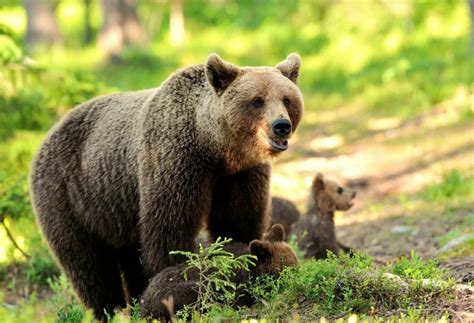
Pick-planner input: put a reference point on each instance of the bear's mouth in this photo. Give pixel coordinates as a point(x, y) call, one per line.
point(344, 206)
point(279, 145)
point(347, 206)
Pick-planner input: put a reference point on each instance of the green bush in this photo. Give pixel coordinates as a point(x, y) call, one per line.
point(215, 268)
point(14, 200)
point(33, 97)
point(67, 308)
point(454, 184)
point(415, 268)
point(342, 285)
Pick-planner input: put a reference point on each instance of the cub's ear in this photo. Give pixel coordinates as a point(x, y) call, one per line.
point(276, 233)
point(261, 249)
point(219, 73)
point(318, 182)
point(290, 67)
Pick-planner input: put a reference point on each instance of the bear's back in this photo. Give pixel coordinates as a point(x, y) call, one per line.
point(93, 152)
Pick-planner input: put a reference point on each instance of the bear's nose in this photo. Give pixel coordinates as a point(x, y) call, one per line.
point(281, 127)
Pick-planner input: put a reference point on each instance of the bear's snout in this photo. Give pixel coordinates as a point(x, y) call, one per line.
point(281, 127)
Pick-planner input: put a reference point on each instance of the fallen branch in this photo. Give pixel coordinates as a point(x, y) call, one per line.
point(13, 241)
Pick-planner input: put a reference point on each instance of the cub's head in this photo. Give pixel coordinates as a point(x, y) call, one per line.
point(273, 252)
point(329, 196)
point(261, 107)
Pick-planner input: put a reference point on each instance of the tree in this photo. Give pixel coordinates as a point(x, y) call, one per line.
point(87, 22)
point(42, 26)
point(176, 22)
point(120, 26)
point(471, 10)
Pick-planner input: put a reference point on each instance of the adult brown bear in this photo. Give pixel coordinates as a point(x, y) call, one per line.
point(124, 179)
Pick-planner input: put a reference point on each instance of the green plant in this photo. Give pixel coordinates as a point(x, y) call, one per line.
point(215, 268)
point(63, 301)
point(454, 184)
point(339, 286)
point(14, 204)
point(135, 311)
point(414, 267)
point(41, 267)
point(32, 96)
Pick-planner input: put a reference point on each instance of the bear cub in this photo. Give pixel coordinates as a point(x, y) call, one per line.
point(273, 255)
point(316, 231)
point(285, 213)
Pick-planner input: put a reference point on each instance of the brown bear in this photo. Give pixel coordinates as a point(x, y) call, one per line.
point(316, 231)
point(283, 211)
point(273, 255)
point(126, 178)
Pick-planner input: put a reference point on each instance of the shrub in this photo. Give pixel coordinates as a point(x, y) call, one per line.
point(215, 268)
point(454, 184)
point(342, 285)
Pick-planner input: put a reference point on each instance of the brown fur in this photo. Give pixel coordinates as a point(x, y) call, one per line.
point(273, 255)
point(126, 178)
point(316, 231)
point(284, 212)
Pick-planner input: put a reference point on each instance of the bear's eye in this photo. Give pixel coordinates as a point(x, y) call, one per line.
point(340, 190)
point(258, 102)
point(286, 101)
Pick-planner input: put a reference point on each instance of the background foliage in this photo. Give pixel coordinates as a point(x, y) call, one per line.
point(392, 73)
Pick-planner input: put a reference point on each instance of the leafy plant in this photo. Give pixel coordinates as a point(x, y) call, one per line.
point(215, 268)
point(454, 184)
point(341, 285)
point(63, 301)
point(415, 268)
point(14, 204)
point(32, 96)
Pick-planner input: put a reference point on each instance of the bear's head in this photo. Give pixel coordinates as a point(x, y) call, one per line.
point(329, 196)
point(259, 107)
point(273, 253)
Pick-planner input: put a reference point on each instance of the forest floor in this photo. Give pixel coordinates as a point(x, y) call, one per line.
point(392, 166)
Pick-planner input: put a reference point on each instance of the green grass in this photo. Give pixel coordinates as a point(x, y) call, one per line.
point(415, 268)
point(454, 185)
point(332, 288)
point(341, 286)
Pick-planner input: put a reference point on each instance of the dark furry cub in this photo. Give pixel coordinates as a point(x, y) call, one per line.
point(273, 254)
point(285, 213)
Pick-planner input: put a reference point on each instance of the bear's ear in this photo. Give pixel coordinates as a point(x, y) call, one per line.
point(261, 249)
point(276, 234)
point(219, 73)
point(318, 182)
point(290, 67)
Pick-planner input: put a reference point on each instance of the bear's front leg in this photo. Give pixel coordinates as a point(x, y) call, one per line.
point(240, 205)
point(173, 203)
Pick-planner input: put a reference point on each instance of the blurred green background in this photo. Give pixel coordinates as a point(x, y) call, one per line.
point(388, 89)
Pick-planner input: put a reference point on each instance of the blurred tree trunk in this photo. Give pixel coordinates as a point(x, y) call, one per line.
point(471, 9)
point(176, 22)
point(120, 26)
point(87, 22)
point(42, 25)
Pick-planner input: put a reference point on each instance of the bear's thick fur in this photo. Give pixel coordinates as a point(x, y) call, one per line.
point(273, 255)
point(316, 232)
point(126, 178)
point(283, 211)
